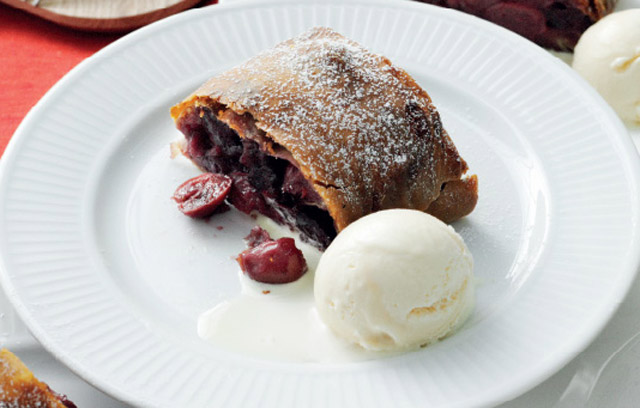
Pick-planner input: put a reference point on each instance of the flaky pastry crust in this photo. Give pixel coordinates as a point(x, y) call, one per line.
point(363, 133)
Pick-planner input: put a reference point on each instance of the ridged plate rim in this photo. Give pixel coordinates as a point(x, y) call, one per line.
point(521, 382)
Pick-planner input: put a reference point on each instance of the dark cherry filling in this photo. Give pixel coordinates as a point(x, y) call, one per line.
point(203, 195)
point(271, 261)
point(66, 402)
point(269, 185)
point(256, 237)
point(555, 24)
point(61, 397)
point(296, 185)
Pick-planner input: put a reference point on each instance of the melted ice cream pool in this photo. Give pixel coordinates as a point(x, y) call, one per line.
point(279, 321)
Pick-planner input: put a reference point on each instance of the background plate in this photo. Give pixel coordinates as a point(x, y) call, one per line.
point(111, 278)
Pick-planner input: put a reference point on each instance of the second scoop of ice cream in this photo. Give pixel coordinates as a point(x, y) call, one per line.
point(608, 56)
point(394, 280)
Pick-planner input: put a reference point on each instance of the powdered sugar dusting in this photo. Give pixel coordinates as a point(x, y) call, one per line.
point(352, 120)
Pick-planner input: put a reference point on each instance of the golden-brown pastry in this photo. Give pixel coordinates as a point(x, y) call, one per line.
point(19, 388)
point(318, 132)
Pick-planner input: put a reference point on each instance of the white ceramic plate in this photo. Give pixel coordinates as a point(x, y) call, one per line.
point(111, 278)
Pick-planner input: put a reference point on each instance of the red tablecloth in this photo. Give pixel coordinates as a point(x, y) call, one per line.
point(35, 55)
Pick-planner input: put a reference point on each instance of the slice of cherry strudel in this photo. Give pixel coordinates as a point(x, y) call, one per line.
point(318, 132)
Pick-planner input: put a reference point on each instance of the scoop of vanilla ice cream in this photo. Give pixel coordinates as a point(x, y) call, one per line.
point(608, 56)
point(395, 279)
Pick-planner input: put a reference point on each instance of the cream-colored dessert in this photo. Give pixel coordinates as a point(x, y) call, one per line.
point(402, 272)
point(395, 280)
point(278, 321)
point(608, 56)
